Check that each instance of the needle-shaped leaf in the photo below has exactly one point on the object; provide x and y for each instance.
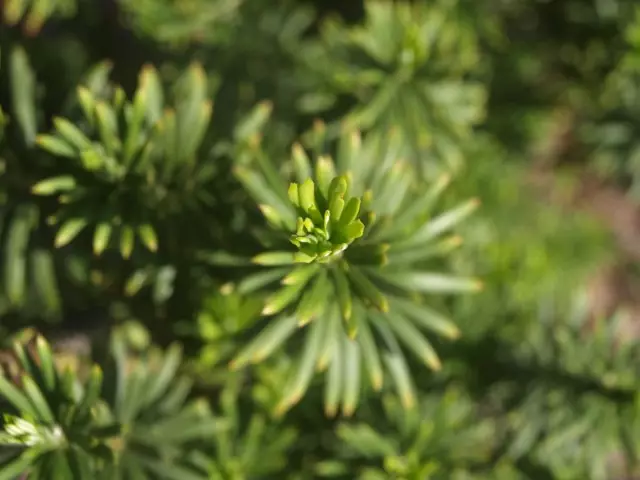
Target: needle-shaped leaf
(37, 400)
(258, 280)
(336, 207)
(133, 395)
(271, 175)
(325, 171)
(306, 195)
(108, 127)
(27, 362)
(148, 236)
(262, 193)
(401, 376)
(273, 335)
(51, 186)
(177, 395)
(119, 98)
(334, 382)
(222, 258)
(423, 252)
(416, 211)
(395, 362)
(47, 367)
(150, 84)
(79, 463)
(393, 188)
(344, 295)
(19, 465)
(427, 282)
(92, 390)
(44, 278)
(253, 439)
(372, 254)
(14, 10)
(272, 216)
(101, 237)
(352, 370)
(71, 134)
(15, 260)
(159, 383)
(23, 89)
(414, 339)
(350, 212)
(294, 194)
(366, 115)
(13, 395)
(314, 301)
(426, 317)
(306, 366)
(253, 123)
(87, 102)
(93, 160)
(369, 291)
(127, 239)
(439, 225)
(56, 146)
(301, 163)
(300, 274)
(60, 467)
(370, 352)
(193, 110)
(331, 337)
(136, 282)
(281, 299)
(69, 230)
(348, 151)
(274, 258)
(97, 78)
(167, 129)
(135, 122)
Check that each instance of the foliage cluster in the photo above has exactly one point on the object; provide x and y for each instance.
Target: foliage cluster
(286, 240)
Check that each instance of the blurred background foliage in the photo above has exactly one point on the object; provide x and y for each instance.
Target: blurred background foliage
(144, 145)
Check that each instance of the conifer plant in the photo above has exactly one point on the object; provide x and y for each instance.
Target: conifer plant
(403, 245)
(354, 249)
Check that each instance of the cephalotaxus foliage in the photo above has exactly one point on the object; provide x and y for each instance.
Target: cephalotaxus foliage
(445, 437)
(253, 447)
(573, 433)
(130, 422)
(223, 315)
(34, 13)
(415, 66)
(15, 67)
(602, 351)
(184, 22)
(613, 134)
(573, 412)
(163, 430)
(351, 260)
(345, 260)
(29, 279)
(252, 48)
(50, 424)
(129, 164)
